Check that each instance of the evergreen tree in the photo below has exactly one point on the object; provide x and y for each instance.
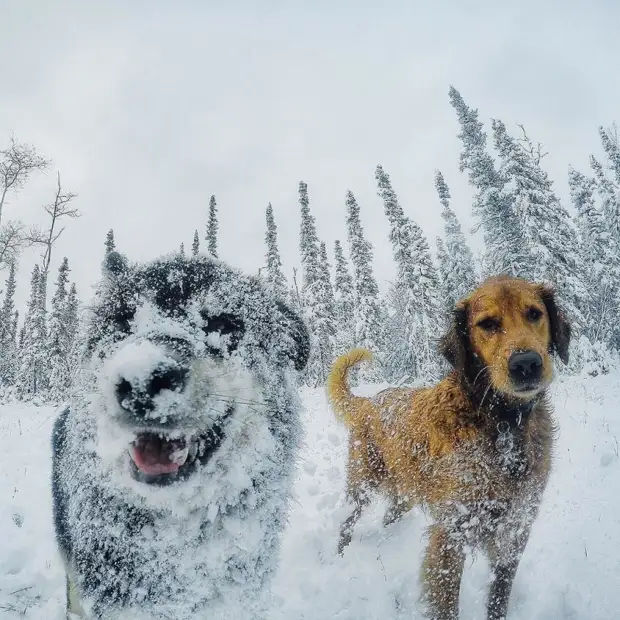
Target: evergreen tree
(212, 228)
(275, 278)
(611, 144)
(72, 323)
(344, 295)
(610, 198)
(493, 207)
(415, 319)
(308, 243)
(182, 249)
(312, 289)
(399, 230)
(8, 346)
(323, 321)
(456, 261)
(551, 238)
(58, 340)
(442, 260)
(368, 316)
(32, 377)
(110, 244)
(196, 244)
(599, 255)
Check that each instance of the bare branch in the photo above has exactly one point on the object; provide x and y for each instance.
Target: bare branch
(535, 151)
(17, 163)
(12, 241)
(56, 210)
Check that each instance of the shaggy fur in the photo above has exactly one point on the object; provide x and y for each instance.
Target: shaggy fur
(172, 465)
(475, 450)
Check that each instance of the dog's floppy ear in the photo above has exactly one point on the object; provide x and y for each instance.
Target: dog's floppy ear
(454, 344)
(296, 346)
(558, 324)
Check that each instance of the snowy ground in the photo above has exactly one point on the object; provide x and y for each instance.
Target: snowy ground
(571, 569)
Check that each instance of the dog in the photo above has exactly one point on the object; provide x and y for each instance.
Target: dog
(474, 450)
(172, 465)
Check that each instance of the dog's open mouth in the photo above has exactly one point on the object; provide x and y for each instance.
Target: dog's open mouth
(154, 455)
(160, 459)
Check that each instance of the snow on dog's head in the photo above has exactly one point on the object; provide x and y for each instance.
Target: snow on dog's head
(187, 357)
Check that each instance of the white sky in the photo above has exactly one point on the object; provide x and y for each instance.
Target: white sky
(149, 107)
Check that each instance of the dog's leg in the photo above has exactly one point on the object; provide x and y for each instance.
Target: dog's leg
(504, 557)
(441, 575)
(360, 499)
(397, 508)
(359, 483)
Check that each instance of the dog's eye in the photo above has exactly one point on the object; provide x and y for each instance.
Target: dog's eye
(489, 324)
(533, 314)
(224, 325)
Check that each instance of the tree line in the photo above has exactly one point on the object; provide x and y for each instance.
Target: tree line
(526, 229)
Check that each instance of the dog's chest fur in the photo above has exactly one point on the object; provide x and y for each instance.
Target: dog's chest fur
(132, 555)
(440, 454)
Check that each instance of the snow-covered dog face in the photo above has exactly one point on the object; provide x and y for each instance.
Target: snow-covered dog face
(185, 354)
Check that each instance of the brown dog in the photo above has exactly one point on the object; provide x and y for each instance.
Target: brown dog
(475, 449)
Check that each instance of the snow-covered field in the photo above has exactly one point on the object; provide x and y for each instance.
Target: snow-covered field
(571, 569)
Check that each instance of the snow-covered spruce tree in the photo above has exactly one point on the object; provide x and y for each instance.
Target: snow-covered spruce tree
(609, 195)
(493, 207)
(308, 242)
(182, 249)
(59, 341)
(344, 294)
(323, 321)
(416, 309)
(74, 337)
(551, 237)
(599, 255)
(611, 144)
(456, 261)
(196, 244)
(369, 319)
(311, 290)
(442, 261)
(8, 345)
(110, 244)
(399, 232)
(274, 276)
(31, 379)
(212, 228)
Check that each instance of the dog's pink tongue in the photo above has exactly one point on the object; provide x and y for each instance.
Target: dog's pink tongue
(154, 455)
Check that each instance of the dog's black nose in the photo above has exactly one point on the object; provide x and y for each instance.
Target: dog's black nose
(138, 397)
(525, 368)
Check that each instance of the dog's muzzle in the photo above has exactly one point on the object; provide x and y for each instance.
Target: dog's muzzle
(525, 370)
(139, 397)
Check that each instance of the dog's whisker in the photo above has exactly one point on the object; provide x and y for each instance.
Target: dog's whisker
(478, 375)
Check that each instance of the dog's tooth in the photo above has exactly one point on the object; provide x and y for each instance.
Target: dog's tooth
(179, 456)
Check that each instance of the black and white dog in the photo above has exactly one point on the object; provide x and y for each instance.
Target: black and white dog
(173, 464)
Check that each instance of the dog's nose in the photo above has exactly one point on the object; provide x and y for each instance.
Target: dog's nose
(525, 368)
(138, 395)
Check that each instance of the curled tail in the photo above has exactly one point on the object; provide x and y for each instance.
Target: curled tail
(342, 399)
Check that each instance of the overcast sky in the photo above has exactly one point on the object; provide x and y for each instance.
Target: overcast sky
(149, 107)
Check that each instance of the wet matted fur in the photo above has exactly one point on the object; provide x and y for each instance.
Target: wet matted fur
(474, 450)
(172, 464)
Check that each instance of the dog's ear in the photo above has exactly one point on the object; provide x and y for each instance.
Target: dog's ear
(296, 346)
(558, 324)
(454, 344)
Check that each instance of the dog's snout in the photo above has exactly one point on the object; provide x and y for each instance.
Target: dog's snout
(172, 379)
(138, 396)
(525, 368)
